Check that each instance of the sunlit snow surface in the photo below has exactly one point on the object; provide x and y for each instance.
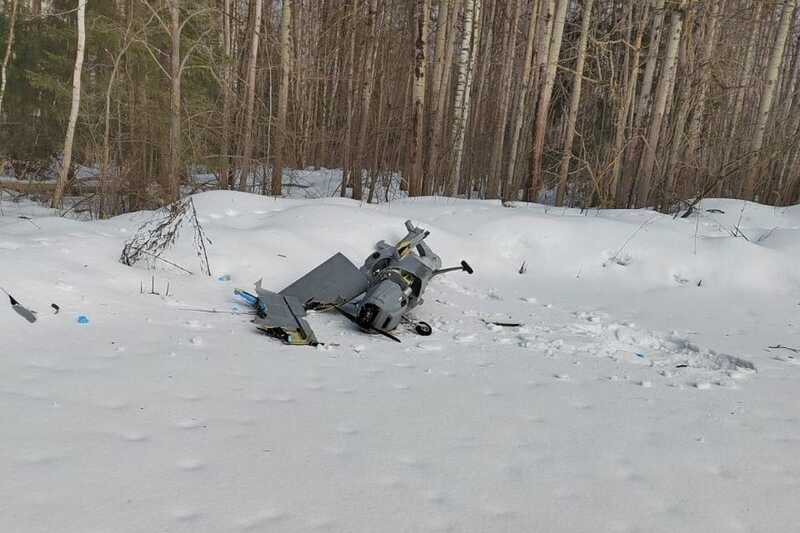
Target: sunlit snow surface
(624, 402)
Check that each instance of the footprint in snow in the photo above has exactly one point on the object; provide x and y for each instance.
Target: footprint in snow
(39, 457)
(186, 515)
(197, 324)
(190, 464)
(346, 429)
(259, 520)
(135, 436)
(429, 347)
(189, 423)
(282, 398)
(190, 396)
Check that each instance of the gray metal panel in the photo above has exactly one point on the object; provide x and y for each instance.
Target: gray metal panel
(337, 280)
(278, 312)
(284, 312)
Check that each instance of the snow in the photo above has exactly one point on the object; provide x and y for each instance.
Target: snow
(639, 393)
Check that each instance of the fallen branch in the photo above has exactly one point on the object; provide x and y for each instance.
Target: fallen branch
(781, 347)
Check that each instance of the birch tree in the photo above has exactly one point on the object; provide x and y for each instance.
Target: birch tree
(227, 94)
(63, 176)
(466, 67)
(247, 153)
(283, 99)
(415, 159)
(618, 187)
(519, 114)
(663, 92)
(367, 89)
(575, 102)
(495, 178)
(7, 55)
(773, 70)
(543, 109)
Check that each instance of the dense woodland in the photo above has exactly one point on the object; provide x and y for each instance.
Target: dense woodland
(588, 103)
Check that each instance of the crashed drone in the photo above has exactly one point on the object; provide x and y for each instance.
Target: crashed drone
(377, 297)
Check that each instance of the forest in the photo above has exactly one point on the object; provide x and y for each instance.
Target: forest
(581, 103)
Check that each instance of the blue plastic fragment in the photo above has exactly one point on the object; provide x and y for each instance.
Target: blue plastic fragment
(224, 277)
(247, 297)
(640, 355)
(83, 319)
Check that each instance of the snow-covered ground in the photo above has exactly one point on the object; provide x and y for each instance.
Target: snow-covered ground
(623, 403)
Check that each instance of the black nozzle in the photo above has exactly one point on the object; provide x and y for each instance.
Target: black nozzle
(466, 268)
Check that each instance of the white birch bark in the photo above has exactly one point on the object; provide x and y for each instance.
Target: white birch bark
(283, 99)
(61, 184)
(574, 103)
(543, 109)
(663, 91)
(773, 69)
(466, 68)
(7, 56)
(247, 153)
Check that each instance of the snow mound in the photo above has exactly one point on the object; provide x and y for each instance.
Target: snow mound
(592, 360)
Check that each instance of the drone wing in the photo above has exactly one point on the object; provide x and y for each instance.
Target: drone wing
(282, 314)
(283, 317)
(335, 281)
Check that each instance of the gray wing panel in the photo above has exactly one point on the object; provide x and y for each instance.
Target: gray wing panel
(278, 311)
(337, 280)
(285, 313)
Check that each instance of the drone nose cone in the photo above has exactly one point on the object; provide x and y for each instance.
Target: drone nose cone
(382, 306)
(367, 314)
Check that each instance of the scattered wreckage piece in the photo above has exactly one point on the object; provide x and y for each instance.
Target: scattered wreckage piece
(28, 314)
(376, 297)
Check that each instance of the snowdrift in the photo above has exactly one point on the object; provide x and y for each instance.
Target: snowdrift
(627, 399)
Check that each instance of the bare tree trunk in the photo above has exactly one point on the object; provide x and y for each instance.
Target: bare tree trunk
(347, 148)
(444, 14)
(543, 110)
(227, 95)
(773, 69)
(663, 91)
(439, 143)
(575, 102)
(61, 184)
(104, 167)
(175, 145)
(247, 155)
(366, 98)
(650, 67)
(36, 7)
(283, 99)
(415, 174)
(7, 56)
(618, 188)
(466, 69)
(698, 118)
(495, 179)
(519, 116)
(741, 92)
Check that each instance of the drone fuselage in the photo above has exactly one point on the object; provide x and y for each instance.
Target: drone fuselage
(399, 275)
